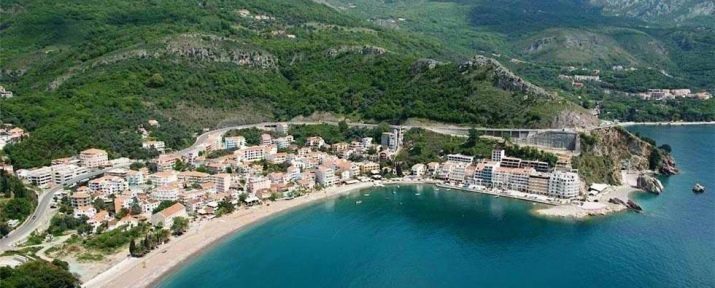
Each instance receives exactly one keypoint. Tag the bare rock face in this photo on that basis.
(504, 78)
(668, 166)
(574, 119)
(423, 65)
(649, 184)
(362, 50)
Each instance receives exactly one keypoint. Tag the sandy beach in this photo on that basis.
(142, 272)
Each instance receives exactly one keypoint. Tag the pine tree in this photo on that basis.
(132, 248)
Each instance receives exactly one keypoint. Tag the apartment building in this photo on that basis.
(222, 182)
(80, 199)
(325, 175)
(564, 184)
(94, 158)
(169, 192)
(107, 185)
(234, 142)
(460, 158)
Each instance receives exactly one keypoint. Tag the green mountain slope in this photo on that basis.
(597, 34)
(90, 73)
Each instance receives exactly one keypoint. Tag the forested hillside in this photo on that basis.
(633, 45)
(90, 73)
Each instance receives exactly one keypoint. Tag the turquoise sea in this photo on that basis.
(418, 236)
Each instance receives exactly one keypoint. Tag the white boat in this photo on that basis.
(418, 194)
(358, 202)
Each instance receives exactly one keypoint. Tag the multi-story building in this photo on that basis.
(564, 184)
(234, 142)
(266, 139)
(165, 162)
(539, 183)
(168, 192)
(484, 173)
(135, 178)
(418, 169)
(40, 176)
(80, 199)
(511, 178)
(156, 145)
(460, 158)
(293, 173)
(457, 171)
(63, 173)
(315, 142)
(108, 185)
(94, 158)
(191, 177)
(256, 184)
(163, 178)
(391, 140)
(498, 154)
(510, 162)
(537, 165)
(222, 182)
(325, 176)
(283, 142)
(255, 153)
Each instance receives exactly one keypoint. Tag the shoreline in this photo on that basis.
(161, 262)
(156, 266)
(666, 123)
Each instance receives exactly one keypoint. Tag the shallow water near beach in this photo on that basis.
(421, 236)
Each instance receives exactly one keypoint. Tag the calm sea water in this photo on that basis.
(418, 236)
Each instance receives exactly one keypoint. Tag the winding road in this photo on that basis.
(42, 214)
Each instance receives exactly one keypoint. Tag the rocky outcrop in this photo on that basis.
(633, 205)
(359, 49)
(649, 184)
(423, 65)
(503, 78)
(608, 151)
(667, 165)
(211, 48)
(574, 118)
(190, 46)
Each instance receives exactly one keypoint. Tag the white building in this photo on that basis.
(157, 145)
(564, 184)
(460, 158)
(108, 185)
(93, 158)
(234, 142)
(419, 169)
(325, 176)
(40, 176)
(166, 193)
(498, 154)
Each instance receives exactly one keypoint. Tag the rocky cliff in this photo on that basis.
(607, 151)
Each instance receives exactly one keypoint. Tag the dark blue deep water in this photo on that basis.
(445, 238)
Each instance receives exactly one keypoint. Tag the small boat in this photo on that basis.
(698, 188)
(366, 194)
(358, 202)
(418, 194)
(497, 196)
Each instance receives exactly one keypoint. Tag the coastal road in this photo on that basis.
(452, 130)
(42, 214)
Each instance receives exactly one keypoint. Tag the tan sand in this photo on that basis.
(142, 272)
